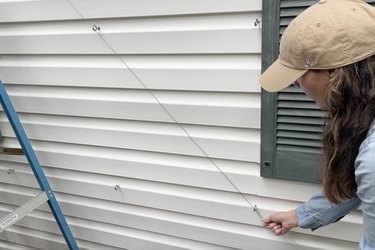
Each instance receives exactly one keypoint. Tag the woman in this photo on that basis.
(329, 52)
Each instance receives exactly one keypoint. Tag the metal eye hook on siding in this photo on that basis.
(257, 22)
(95, 28)
(10, 171)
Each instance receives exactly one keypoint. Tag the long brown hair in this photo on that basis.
(350, 99)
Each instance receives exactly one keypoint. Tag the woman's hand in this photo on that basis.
(281, 222)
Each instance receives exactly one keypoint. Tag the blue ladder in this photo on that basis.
(47, 194)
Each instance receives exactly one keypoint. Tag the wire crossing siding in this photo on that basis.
(125, 175)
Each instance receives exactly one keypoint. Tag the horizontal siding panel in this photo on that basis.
(204, 41)
(174, 169)
(214, 22)
(231, 41)
(15, 11)
(127, 135)
(252, 239)
(115, 104)
(12, 246)
(167, 138)
(144, 36)
(29, 239)
(202, 202)
(119, 236)
(162, 7)
(222, 79)
(178, 225)
(241, 144)
(232, 200)
(25, 10)
(191, 108)
(169, 72)
(32, 238)
(149, 220)
(49, 44)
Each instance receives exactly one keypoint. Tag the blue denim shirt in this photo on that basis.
(318, 211)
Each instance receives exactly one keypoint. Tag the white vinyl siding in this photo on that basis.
(126, 176)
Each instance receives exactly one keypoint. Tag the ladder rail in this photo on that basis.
(35, 166)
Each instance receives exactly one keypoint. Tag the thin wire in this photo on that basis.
(97, 31)
(165, 109)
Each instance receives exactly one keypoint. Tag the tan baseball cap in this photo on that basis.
(327, 35)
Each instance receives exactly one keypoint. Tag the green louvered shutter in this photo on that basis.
(291, 122)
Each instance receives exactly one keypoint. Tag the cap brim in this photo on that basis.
(278, 76)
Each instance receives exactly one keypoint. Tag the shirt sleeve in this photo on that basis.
(365, 179)
(318, 211)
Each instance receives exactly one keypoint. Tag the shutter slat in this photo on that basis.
(296, 3)
(299, 112)
(299, 127)
(294, 96)
(297, 149)
(299, 142)
(290, 13)
(299, 135)
(292, 89)
(292, 104)
(300, 120)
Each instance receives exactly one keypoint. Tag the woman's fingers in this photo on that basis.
(276, 227)
(281, 222)
(266, 221)
(272, 225)
(278, 231)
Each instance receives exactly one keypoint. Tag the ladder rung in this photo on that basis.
(22, 211)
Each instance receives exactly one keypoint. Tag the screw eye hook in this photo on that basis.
(95, 28)
(257, 22)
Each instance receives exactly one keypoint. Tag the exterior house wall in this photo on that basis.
(126, 176)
